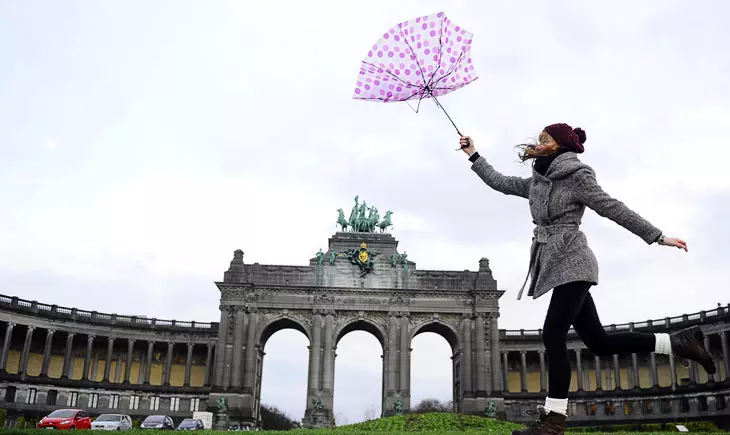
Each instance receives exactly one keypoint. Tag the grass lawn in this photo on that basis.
(431, 424)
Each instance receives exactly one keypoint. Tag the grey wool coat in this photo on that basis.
(559, 253)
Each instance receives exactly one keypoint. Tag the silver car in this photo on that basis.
(112, 422)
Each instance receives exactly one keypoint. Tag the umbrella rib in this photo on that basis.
(414, 55)
(441, 52)
(452, 70)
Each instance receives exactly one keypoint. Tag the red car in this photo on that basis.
(66, 419)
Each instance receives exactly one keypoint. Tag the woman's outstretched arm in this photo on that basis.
(508, 185)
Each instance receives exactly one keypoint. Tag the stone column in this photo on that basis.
(142, 368)
(128, 367)
(67, 356)
(692, 369)
(118, 369)
(188, 364)
(47, 349)
(405, 357)
(616, 373)
(635, 368)
(579, 368)
(108, 363)
(249, 373)
(392, 353)
(208, 359)
(467, 382)
(219, 362)
(543, 373)
(148, 369)
(725, 354)
(710, 378)
(481, 368)
(6, 346)
(23, 366)
(653, 372)
(673, 371)
(315, 349)
(239, 331)
(523, 371)
(599, 377)
(328, 355)
(505, 372)
(87, 357)
(95, 368)
(167, 373)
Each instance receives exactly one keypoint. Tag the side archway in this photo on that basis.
(445, 330)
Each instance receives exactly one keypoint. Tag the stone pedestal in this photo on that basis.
(240, 409)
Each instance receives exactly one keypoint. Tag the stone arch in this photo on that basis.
(279, 323)
(441, 328)
(362, 324)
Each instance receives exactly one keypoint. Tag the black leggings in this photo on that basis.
(572, 304)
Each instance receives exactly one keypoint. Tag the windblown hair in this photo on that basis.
(528, 150)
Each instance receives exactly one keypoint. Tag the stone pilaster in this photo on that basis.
(481, 368)
(725, 354)
(239, 333)
(249, 370)
(220, 351)
(467, 378)
(599, 376)
(497, 380)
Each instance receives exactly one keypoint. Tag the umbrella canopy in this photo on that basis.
(425, 57)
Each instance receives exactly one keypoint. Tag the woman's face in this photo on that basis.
(546, 143)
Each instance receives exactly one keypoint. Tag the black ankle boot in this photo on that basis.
(550, 423)
(689, 344)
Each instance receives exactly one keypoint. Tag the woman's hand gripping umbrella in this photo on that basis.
(426, 57)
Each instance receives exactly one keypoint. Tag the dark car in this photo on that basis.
(191, 424)
(159, 422)
(66, 419)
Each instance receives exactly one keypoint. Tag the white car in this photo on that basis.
(112, 422)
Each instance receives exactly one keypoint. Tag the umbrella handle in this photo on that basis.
(468, 143)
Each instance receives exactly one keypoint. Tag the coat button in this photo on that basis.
(530, 202)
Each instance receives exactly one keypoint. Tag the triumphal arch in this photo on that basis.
(361, 281)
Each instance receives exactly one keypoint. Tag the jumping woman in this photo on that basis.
(560, 189)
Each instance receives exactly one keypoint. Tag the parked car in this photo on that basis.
(160, 422)
(112, 422)
(66, 419)
(191, 424)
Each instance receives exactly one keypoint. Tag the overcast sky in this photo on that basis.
(141, 142)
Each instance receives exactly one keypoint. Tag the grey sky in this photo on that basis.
(141, 142)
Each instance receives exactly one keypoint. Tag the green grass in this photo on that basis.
(439, 424)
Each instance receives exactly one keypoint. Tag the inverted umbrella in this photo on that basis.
(426, 57)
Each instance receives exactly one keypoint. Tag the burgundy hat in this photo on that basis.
(567, 137)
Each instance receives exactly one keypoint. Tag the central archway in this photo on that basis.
(359, 370)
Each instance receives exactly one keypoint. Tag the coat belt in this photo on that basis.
(541, 234)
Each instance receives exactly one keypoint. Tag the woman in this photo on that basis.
(560, 189)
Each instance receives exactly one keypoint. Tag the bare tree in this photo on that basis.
(371, 413)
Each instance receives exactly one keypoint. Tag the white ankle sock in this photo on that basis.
(559, 406)
(663, 345)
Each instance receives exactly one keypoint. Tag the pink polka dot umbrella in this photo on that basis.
(426, 57)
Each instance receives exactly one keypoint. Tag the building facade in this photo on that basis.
(53, 357)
